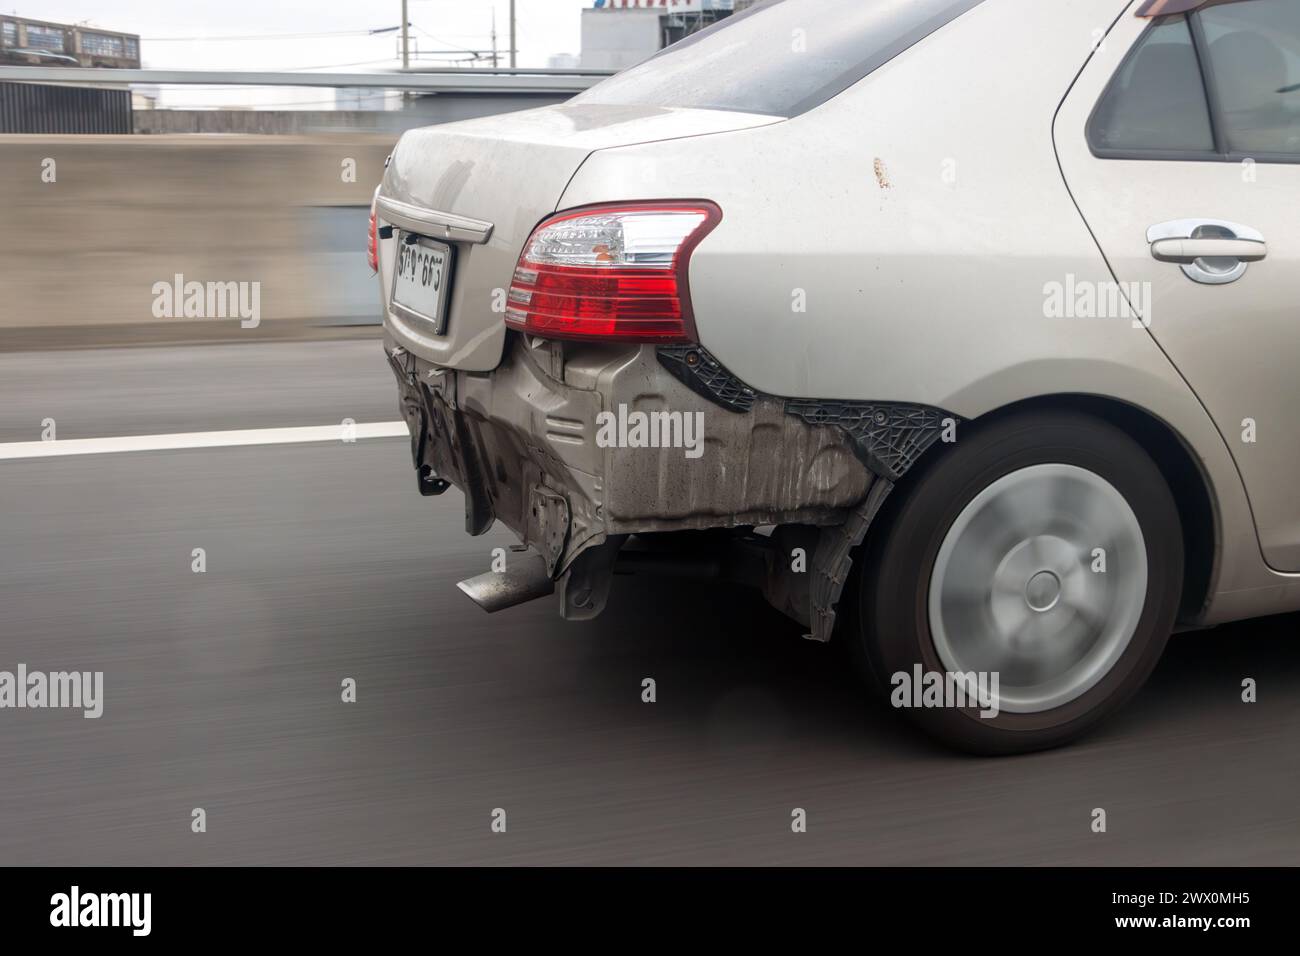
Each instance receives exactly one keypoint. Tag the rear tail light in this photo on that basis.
(372, 246)
(611, 272)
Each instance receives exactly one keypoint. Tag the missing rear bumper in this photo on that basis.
(575, 448)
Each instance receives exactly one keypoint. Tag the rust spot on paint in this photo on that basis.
(882, 174)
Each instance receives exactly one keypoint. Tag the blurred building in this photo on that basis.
(617, 34)
(145, 96)
(563, 61)
(362, 98)
(25, 42)
(83, 108)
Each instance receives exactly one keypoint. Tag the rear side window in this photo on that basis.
(1253, 62)
(1220, 83)
(780, 57)
(1156, 101)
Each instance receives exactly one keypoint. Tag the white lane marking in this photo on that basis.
(247, 436)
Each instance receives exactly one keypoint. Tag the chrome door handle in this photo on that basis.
(1189, 250)
(1211, 251)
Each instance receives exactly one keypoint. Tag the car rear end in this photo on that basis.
(549, 360)
(554, 376)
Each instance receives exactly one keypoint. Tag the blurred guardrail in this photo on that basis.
(95, 226)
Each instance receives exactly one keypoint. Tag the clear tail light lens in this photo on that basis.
(611, 272)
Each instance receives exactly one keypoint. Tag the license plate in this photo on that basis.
(421, 275)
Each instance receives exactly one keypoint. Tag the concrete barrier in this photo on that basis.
(93, 224)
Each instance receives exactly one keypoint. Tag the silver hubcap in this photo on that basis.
(1041, 579)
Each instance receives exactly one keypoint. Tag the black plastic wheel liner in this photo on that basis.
(888, 437)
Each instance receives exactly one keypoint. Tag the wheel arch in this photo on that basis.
(1188, 481)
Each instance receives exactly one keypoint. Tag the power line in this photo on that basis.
(261, 36)
(331, 66)
(313, 36)
(445, 42)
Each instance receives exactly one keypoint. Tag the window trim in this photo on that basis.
(1218, 129)
(1220, 153)
(1161, 8)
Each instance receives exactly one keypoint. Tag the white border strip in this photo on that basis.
(248, 436)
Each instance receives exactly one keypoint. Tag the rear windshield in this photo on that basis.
(779, 57)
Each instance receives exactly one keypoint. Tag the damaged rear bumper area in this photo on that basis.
(576, 447)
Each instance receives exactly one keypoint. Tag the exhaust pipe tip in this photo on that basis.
(525, 579)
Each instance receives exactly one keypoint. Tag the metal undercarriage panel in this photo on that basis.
(575, 447)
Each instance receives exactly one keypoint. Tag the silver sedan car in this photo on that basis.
(965, 330)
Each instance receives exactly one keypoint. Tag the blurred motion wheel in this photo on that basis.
(1043, 548)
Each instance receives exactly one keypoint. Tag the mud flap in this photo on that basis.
(584, 588)
(834, 559)
(451, 441)
(478, 505)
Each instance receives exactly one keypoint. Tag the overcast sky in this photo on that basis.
(545, 27)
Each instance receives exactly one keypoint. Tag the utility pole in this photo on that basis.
(406, 40)
(495, 64)
(512, 34)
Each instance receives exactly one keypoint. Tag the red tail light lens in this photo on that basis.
(611, 272)
(372, 246)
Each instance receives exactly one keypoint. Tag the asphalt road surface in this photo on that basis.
(222, 689)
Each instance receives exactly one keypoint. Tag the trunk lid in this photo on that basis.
(508, 171)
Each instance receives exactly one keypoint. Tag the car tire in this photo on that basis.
(1065, 503)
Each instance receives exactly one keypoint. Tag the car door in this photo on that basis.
(1180, 142)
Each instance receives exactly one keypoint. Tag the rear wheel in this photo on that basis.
(1040, 560)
